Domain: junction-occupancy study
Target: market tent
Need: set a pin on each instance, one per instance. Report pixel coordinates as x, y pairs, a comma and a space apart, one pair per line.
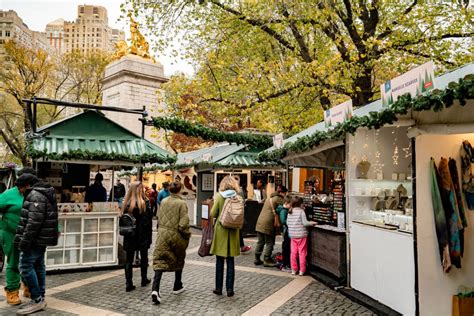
90, 137
448, 115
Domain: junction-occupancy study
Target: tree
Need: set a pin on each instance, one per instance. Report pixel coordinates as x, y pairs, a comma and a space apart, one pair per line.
30, 72
277, 64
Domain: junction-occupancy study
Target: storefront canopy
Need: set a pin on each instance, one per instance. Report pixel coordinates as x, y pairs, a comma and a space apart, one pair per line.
223, 155
90, 137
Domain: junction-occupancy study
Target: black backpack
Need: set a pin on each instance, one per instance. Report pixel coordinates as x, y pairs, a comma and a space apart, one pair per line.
127, 225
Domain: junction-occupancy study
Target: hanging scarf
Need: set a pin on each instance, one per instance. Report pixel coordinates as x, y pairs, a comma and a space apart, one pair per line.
440, 219
453, 170
452, 212
467, 158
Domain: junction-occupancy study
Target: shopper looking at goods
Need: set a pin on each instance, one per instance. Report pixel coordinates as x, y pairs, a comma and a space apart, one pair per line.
11, 202
153, 196
164, 193
266, 229
297, 224
38, 229
225, 242
282, 211
171, 241
96, 192
136, 206
118, 194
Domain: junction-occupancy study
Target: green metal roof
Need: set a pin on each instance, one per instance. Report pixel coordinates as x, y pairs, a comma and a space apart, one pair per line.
92, 132
244, 159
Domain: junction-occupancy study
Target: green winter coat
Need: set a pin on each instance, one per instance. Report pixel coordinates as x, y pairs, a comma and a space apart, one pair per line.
173, 234
225, 242
266, 219
11, 202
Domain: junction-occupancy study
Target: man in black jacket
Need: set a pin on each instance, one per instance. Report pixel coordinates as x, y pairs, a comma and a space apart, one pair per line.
38, 229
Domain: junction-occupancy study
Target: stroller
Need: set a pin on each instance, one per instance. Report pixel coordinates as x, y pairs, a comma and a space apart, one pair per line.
7, 180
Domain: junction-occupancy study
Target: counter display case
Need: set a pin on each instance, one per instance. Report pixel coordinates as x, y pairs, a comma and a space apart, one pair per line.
87, 240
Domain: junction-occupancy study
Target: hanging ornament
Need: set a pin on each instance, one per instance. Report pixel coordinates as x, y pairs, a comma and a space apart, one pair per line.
407, 151
395, 156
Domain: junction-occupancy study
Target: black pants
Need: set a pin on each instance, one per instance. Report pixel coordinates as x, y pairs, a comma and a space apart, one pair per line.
129, 266
242, 244
154, 208
229, 279
286, 249
178, 284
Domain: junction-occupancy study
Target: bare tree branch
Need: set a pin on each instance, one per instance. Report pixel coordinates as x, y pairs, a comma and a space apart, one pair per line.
389, 29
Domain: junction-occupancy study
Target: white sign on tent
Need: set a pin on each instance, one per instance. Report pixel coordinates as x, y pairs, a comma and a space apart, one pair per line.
338, 114
415, 82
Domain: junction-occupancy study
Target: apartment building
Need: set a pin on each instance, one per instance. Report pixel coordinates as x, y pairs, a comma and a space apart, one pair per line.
89, 32
55, 35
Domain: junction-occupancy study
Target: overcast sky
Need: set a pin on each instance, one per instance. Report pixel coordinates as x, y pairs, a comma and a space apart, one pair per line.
37, 13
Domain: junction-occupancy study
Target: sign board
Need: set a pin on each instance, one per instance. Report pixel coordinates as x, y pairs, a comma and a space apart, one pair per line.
338, 114
278, 140
188, 160
415, 82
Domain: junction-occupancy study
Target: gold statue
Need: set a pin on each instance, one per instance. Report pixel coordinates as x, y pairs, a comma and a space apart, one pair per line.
139, 46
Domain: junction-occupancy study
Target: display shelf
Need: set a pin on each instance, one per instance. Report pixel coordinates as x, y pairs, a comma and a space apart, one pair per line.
383, 180
88, 240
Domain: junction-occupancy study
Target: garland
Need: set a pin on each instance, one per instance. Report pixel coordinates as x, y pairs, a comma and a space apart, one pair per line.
79, 154
435, 101
212, 134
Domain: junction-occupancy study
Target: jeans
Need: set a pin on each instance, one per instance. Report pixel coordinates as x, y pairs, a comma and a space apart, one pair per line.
299, 249
229, 279
267, 242
178, 284
129, 266
33, 270
154, 208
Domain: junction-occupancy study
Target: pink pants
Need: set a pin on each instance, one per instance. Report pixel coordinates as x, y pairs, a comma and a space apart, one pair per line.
298, 248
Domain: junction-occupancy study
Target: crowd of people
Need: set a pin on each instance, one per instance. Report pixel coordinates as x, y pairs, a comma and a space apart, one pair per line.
30, 224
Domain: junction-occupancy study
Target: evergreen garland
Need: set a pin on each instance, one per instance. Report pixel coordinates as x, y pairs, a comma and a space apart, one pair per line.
212, 134
436, 101
79, 154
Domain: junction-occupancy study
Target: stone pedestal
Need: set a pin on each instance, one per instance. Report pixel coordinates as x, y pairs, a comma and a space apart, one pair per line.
133, 82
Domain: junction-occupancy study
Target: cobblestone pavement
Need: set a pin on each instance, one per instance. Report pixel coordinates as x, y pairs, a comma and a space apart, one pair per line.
259, 291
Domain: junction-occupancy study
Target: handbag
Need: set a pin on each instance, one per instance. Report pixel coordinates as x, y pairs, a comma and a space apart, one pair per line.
206, 241
127, 225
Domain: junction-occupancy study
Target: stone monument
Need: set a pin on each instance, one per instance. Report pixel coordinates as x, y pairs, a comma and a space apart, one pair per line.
133, 80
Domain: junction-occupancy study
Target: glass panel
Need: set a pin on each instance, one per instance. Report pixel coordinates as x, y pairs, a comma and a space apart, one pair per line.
73, 225
60, 242
90, 240
91, 225
71, 256
106, 239
106, 224
73, 241
54, 257
106, 254
89, 255
61, 224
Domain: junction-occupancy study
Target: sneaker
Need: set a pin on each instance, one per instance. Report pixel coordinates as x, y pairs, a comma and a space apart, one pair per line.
293, 272
156, 297
269, 264
32, 306
286, 269
181, 290
301, 273
245, 249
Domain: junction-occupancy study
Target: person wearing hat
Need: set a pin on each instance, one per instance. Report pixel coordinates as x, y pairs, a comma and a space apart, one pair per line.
38, 228
11, 202
96, 192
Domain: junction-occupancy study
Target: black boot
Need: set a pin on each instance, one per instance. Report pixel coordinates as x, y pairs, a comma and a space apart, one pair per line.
257, 260
129, 277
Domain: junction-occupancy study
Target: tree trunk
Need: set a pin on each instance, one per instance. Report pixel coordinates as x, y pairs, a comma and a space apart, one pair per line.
363, 87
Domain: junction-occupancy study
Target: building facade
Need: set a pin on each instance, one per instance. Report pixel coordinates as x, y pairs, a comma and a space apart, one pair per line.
89, 32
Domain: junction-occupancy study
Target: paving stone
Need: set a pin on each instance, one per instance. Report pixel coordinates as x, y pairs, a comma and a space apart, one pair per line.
11, 311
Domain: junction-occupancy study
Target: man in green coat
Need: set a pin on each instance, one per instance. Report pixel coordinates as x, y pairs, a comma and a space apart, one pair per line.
266, 230
171, 241
11, 202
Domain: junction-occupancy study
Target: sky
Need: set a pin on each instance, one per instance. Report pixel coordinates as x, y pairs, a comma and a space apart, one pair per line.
37, 13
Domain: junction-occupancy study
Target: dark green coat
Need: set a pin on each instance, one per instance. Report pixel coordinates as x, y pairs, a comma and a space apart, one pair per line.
266, 219
173, 234
11, 202
225, 242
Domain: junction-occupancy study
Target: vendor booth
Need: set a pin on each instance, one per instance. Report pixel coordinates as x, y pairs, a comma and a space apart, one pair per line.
214, 163
68, 154
404, 249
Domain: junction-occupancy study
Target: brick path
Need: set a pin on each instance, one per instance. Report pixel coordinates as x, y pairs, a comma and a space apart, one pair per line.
259, 291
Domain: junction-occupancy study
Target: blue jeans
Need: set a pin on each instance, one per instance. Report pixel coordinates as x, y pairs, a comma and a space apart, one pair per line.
229, 280
33, 270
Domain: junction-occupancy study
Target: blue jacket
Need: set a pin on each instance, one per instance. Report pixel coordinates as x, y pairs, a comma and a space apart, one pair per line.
162, 195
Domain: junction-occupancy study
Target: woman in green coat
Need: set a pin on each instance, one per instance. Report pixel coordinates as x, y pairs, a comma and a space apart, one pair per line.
225, 242
171, 241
